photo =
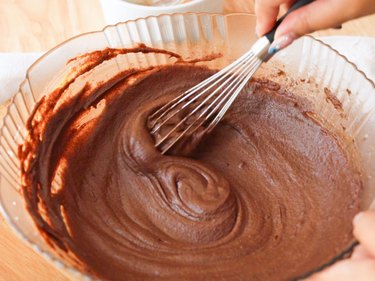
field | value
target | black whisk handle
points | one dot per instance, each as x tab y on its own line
298	4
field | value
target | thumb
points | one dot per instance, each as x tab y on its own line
364	230
347	270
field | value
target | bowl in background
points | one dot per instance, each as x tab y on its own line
190	35
122	10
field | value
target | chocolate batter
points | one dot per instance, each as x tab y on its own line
268	195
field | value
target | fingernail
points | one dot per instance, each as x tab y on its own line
281	43
358	218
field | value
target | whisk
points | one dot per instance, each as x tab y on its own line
203	106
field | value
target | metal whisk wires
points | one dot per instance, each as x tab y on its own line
211	99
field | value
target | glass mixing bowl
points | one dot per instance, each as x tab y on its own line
308	64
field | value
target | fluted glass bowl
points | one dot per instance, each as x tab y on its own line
192	36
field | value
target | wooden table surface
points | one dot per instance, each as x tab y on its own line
38	25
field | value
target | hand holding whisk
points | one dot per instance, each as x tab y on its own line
203	106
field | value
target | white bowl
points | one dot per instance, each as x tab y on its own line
121	10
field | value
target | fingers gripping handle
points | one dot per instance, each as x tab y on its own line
298	4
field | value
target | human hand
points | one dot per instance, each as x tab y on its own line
361	266
318	15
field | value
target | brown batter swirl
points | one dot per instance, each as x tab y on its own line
268	195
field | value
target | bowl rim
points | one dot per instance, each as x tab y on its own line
60	264
45	54
160	8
